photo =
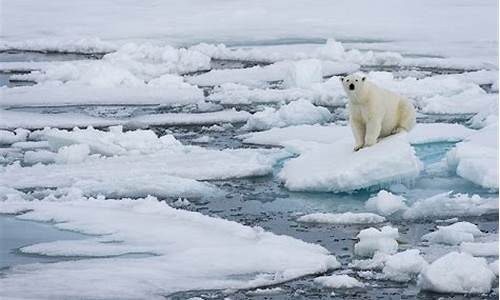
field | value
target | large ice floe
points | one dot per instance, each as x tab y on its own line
457	273
337	168
475	158
134	74
181	250
136	163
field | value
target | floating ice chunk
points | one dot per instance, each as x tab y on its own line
422	133
304	73
480	248
268	291
476	159
112	142
72	154
224	116
447	205
30	145
339	282
385	203
14	119
9	137
404	265
187	251
297	112
494	267
439	132
337	168
343	218
457	273
40	156
372	240
45	44
453	234
170	172
377	262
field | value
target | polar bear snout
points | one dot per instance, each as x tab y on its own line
351	86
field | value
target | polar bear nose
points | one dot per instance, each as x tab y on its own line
351	86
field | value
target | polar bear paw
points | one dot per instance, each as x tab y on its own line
357	147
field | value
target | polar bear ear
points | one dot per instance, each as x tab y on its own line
363	79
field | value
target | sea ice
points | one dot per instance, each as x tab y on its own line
183	251
385	203
480	248
372	240
339	282
453	234
296	112
404	265
343	218
337	168
457	273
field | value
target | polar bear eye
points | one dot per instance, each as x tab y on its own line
356	80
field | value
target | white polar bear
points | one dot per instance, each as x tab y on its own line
375	112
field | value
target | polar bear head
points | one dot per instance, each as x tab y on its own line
353	84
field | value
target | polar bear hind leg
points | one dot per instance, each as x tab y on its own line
407	118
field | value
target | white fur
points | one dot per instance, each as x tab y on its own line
375	112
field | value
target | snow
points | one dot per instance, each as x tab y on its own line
297	112
14	119
294	74
170	171
473	159
480	248
9	137
403	266
72	154
372	240
339	282
457	273
110	143
175	239
337	168
453	234
343	218
385	203
421	134
448	205
304	73
494	267
472	34
40	156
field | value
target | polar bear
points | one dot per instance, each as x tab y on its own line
375	112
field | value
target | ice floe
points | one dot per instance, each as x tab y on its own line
474	159
454	234
457	273
337	168
184	251
480	248
339	282
11	137
297	112
342	218
372	240
451	205
403	266
385	203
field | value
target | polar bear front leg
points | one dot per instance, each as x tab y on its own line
373	128
358	130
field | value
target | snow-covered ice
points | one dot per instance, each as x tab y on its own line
403	266
480	248
451	205
337	168
385	203
343	218
184	250
457	273
372	240
475	158
297	112
454	234
339	282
